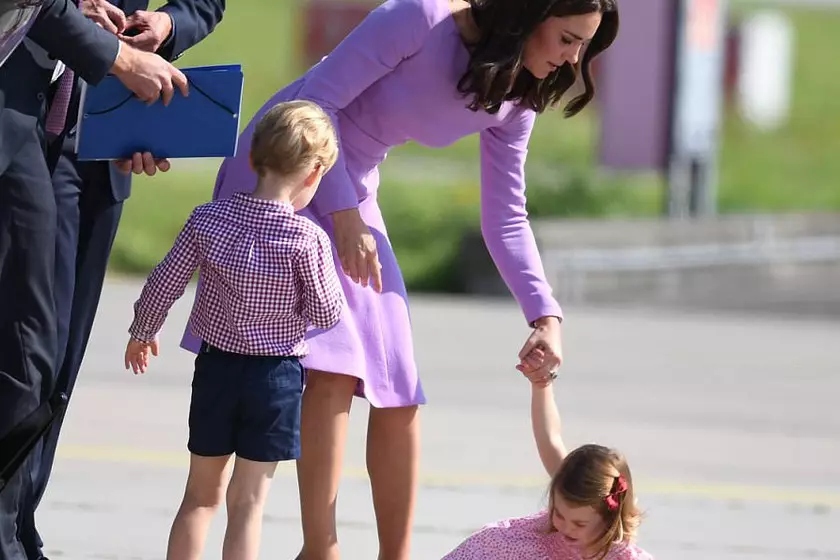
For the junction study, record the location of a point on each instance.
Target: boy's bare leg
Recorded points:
(246, 497)
(205, 490)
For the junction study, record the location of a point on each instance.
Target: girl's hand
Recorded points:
(542, 354)
(137, 354)
(356, 248)
(530, 366)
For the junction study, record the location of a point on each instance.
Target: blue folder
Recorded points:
(114, 124)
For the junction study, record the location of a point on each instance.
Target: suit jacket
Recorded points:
(62, 30)
(192, 21)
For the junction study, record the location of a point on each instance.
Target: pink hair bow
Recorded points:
(619, 488)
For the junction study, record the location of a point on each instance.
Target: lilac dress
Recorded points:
(393, 79)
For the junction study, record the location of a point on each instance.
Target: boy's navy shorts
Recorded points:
(247, 405)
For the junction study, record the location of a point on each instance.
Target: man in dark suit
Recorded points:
(28, 217)
(89, 198)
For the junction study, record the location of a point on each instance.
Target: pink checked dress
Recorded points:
(528, 538)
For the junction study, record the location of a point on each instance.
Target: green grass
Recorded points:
(795, 168)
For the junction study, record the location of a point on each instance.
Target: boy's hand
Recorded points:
(530, 367)
(137, 354)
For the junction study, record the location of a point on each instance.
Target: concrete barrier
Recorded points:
(776, 263)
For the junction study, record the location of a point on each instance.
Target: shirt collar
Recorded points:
(262, 204)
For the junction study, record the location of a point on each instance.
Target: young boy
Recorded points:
(266, 275)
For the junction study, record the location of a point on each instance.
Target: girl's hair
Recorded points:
(495, 72)
(597, 476)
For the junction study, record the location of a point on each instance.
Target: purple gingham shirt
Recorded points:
(266, 275)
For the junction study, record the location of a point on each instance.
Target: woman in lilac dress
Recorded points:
(432, 71)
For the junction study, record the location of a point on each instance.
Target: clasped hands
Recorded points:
(542, 354)
(145, 31)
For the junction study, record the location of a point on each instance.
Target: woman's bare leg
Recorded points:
(323, 434)
(393, 462)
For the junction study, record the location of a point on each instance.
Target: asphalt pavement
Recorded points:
(730, 422)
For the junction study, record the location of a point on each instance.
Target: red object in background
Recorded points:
(328, 22)
(732, 67)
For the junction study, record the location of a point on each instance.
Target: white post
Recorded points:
(765, 75)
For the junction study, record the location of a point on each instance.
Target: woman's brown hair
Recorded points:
(495, 72)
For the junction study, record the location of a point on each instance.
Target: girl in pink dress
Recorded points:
(591, 514)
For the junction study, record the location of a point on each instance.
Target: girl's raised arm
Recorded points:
(545, 421)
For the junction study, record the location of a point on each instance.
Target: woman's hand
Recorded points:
(356, 248)
(542, 354)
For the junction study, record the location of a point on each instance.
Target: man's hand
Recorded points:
(105, 15)
(148, 75)
(142, 163)
(153, 29)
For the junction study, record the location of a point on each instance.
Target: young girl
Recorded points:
(591, 511)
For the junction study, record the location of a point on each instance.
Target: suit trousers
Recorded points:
(27, 310)
(87, 220)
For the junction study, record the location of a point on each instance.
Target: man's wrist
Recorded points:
(170, 34)
(167, 44)
(122, 63)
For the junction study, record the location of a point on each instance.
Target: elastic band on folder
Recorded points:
(192, 85)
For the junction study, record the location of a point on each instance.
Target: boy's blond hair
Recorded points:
(293, 136)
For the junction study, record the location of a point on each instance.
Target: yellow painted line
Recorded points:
(716, 492)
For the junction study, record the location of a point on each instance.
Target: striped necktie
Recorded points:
(57, 115)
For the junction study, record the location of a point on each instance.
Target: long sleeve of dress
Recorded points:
(504, 218)
(391, 32)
